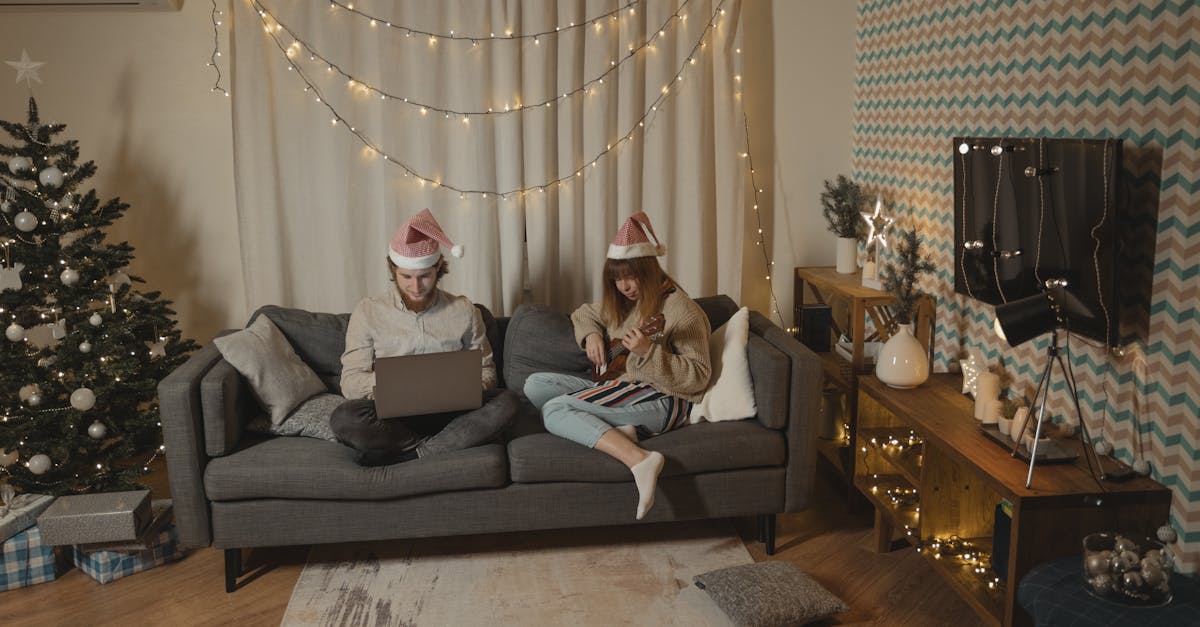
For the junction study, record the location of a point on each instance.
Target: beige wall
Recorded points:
(799, 96)
(133, 89)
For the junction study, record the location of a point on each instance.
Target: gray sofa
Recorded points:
(234, 489)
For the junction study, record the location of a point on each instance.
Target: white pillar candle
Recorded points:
(987, 388)
(1014, 430)
(1003, 425)
(868, 270)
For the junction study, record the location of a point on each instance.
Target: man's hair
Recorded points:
(652, 286)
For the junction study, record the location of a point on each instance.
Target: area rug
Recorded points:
(636, 575)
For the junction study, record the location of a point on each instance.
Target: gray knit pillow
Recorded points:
(309, 420)
(769, 594)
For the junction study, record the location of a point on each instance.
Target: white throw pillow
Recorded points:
(730, 394)
(277, 375)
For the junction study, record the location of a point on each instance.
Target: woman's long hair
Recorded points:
(653, 284)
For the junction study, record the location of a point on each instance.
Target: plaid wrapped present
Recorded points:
(20, 511)
(26, 560)
(106, 566)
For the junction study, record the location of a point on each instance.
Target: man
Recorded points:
(413, 318)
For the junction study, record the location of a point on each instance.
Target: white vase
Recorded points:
(847, 255)
(902, 361)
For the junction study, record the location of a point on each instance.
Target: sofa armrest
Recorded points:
(804, 396)
(228, 404)
(183, 433)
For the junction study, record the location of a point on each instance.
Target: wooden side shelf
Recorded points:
(926, 439)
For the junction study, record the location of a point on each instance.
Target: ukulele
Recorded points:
(617, 353)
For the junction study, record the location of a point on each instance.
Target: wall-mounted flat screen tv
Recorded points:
(1028, 211)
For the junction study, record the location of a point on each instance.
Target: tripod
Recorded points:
(1054, 356)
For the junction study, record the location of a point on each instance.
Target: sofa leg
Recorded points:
(233, 568)
(760, 521)
(769, 533)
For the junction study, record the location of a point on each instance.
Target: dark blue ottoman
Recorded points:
(1053, 594)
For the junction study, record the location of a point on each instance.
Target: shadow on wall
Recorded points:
(163, 252)
(1137, 232)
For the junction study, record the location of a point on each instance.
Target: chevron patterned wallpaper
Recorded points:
(927, 71)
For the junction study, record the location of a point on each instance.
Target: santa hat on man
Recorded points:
(636, 239)
(415, 246)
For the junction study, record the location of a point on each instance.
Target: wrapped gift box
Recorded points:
(148, 539)
(106, 566)
(26, 560)
(90, 518)
(21, 513)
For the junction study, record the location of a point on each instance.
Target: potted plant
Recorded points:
(842, 203)
(902, 361)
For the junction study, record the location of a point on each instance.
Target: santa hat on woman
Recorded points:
(634, 239)
(415, 246)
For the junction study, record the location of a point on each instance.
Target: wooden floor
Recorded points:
(832, 545)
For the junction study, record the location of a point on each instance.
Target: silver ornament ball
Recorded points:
(83, 399)
(97, 430)
(51, 177)
(1167, 534)
(34, 399)
(1103, 448)
(25, 221)
(39, 464)
(14, 332)
(69, 277)
(1141, 467)
(85, 347)
(95, 320)
(18, 164)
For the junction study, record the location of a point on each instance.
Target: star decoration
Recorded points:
(157, 349)
(878, 224)
(27, 69)
(971, 367)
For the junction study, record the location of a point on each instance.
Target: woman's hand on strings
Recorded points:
(594, 346)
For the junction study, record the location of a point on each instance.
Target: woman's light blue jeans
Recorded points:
(583, 422)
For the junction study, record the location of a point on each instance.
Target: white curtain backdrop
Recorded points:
(331, 158)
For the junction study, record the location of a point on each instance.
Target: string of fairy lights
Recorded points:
(587, 87)
(294, 46)
(273, 29)
(507, 35)
(216, 52)
(901, 497)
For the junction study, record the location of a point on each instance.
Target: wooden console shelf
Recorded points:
(961, 476)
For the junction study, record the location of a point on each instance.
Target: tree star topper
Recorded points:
(878, 223)
(27, 69)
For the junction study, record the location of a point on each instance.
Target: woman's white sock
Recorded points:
(645, 476)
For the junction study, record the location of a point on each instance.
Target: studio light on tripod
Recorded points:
(1049, 311)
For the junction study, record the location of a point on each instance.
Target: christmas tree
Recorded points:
(84, 349)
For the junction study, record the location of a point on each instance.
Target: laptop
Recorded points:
(431, 383)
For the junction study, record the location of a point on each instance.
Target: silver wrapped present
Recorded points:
(89, 518)
(19, 512)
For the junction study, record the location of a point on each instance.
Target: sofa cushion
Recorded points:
(719, 309)
(694, 449)
(539, 339)
(279, 379)
(319, 338)
(730, 393)
(306, 468)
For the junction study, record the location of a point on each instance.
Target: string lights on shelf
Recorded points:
(476, 39)
(588, 87)
(978, 561)
(272, 28)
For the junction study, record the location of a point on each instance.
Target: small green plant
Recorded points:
(842, 203)
(900, 278)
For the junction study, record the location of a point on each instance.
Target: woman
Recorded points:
(664, 373)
